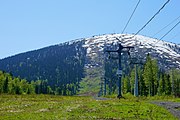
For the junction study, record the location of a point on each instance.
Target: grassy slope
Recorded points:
(34, 107)
(91, 83)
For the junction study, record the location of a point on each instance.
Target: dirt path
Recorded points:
(173, 107)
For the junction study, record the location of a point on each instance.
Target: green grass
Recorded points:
(91, 83)
(47, 107)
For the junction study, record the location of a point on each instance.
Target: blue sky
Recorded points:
(31, 24)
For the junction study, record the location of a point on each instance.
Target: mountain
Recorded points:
(71, 61)
(168, 54)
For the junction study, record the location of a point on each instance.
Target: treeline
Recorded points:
(15, 85)
(151, 80)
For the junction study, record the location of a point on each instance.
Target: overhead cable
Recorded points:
(131, 16)
(170, 30)
(152, 17)
(175, 36)
(166, 26)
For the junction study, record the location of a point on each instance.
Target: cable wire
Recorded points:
(175, 36)
(152, 17)
(166, 26)
(170, 30)
(131, 16)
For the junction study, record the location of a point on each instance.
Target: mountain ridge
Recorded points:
(141, 43)
(67, 62)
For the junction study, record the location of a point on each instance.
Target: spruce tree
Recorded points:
(167, 85)
(142, 86)
(126, 85)
(148, 76)
(155, 76)
(5, 86)
(161, 88)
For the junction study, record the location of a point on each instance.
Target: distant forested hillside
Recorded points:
(59, 64)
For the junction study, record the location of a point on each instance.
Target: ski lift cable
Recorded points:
(149, 20)
(152, 17)
(128, 21)
(131, 16)
(175, 35)
(166, 26)
(170, 30)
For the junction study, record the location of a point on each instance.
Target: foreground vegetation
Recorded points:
(15, 85)
(46, 107)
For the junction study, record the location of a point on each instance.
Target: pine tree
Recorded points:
(1, 82)
(167, 85)
(142, 87)
(155, 76)
(126, 84)
(31, 88)
(64, 90)
(148, 76)
(177, 87)
(11, 86)
(175, 83)
(161, 88)
(18, 89)
(24, 86)
(5, 86)
(37, 87)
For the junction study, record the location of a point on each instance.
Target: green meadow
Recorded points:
(51, 107)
